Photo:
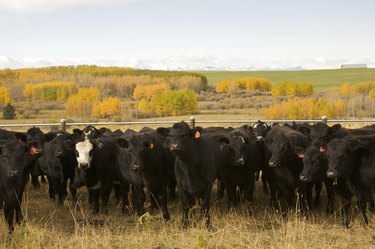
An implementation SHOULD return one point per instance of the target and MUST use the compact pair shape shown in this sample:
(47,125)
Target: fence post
(63,124)
(192,122)
(324,119)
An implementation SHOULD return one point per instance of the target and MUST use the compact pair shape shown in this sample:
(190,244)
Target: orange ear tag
(301,155)
(33,150)
(322,149)
(151,146)
(197,134)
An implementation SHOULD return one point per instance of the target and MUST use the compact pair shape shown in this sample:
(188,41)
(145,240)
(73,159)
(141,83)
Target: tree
(81,104)
(9,112)
(107,108)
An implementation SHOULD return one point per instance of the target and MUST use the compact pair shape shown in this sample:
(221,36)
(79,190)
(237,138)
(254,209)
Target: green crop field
(319,78)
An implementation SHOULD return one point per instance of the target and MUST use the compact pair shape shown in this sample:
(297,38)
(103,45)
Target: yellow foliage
(248,84)
(363,87)
(372,93)
(50,91)
(178,102)
(308,108)
(345,89)
(81,103)
(5,96)
(148,91)
(107,108)
(144,105)
(286,88)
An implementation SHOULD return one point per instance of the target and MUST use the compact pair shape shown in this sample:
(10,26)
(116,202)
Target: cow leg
(163,202)
(205,205)
(117,189)
(172,189)
(318,190)
(345,211)
(330,194)
(94,194)
(231,192)
(220,189)
(51,190)
(187,201)
(362,206)
(105,192)
(60,186)
(73,192)
(125,196)
(9,216)
(138,198)
(264,178)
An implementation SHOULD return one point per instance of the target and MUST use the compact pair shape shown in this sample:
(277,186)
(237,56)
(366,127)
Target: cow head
(260,130)
(35,140)
(13,156)
(314,163)
(182,137)
(61,145)
(89,132)
(341,157)
(234,147)
(141,147)
(320,134)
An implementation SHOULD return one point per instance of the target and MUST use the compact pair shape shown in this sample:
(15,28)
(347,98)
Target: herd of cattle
(291,160)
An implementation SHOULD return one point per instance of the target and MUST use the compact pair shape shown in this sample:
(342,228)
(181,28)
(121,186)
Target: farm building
(344,66)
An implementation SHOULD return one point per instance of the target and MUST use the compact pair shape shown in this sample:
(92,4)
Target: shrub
(50,91)
(286,88)
(5,96)
(107,108)
(248,84)
(9,111)
(81,104)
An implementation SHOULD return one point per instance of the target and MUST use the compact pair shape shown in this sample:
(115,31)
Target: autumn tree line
(92,92)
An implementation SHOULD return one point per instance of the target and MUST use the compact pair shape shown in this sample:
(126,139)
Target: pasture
(318,78)
(50,227)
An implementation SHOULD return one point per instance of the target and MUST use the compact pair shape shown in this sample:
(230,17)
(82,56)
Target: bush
(248,84)
(107,108)
(50,91)
(286,88)
(179,102)
(81,104)
(9,112)
(5,96)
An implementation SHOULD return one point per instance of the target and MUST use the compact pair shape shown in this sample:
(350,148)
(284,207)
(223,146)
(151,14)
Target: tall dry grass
(47,226)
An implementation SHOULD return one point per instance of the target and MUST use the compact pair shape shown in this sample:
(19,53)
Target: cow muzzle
(303,178)
(174,147)
(273,164)
(136,167)
(331,174)
(84,165)
(14,173)
(240,162)
(260,138)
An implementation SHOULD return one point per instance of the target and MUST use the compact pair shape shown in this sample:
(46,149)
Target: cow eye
(77,153)
(90,153)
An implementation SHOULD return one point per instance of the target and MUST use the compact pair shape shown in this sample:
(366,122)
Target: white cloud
(46,6)
(187,62)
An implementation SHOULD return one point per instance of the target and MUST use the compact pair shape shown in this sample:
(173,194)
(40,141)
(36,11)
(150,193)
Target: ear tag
(197,134)
(322,149)
(301,155)
(33,151)
(151,146)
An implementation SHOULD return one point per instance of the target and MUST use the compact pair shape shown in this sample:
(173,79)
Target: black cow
(286,166)
(352,160)
(197,161)
(96,169)
(59,163)
(144,154)
(240,159)
(315,166)
(14,174)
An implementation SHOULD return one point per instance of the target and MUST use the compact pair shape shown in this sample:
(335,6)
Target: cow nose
(175,147)
(136,167)
(272,164)
(331,174)
(259,138)
(303,178)
(59,154)
(240,162)
(13,173)
(83,165)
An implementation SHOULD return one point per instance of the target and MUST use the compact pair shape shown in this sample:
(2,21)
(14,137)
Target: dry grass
(49,227)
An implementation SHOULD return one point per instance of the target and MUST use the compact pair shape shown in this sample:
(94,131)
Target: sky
(188,34)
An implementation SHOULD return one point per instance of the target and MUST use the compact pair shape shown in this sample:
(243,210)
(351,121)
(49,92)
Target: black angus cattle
(14,174)
(352,160)
(286,166)
(260,129)
(59,163)
(315,166)
(197,161)
(240,159)
(142,161)
(96,169)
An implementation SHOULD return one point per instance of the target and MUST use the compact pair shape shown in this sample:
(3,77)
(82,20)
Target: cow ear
(69,145)
(77,131)
(98,143)
(50,136)
(22,137)
(355,144)
(223,141)
(197,132)
(75,137)
(123,143)
(163,131)
(335,128)
(300,151)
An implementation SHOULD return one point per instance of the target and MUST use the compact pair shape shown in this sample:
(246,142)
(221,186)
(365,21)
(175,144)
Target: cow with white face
(96,169)
(84,153)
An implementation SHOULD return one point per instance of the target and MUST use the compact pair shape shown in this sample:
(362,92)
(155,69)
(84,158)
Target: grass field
(49,227)
(319,78)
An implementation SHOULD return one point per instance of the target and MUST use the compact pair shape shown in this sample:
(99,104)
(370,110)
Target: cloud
(188,62)
(46,6)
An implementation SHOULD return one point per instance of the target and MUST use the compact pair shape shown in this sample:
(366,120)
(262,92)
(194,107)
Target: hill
(319,78)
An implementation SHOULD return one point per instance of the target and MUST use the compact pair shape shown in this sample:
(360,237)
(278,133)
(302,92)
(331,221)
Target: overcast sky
(187,34)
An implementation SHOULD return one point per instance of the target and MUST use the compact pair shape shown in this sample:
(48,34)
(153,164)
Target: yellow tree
(80,104)
(5,96)
(108,108)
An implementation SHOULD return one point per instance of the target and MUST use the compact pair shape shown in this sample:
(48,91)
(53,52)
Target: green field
(319,78)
